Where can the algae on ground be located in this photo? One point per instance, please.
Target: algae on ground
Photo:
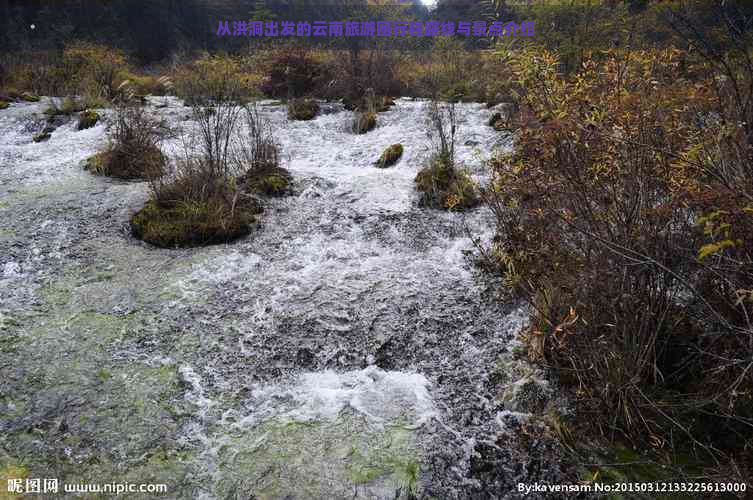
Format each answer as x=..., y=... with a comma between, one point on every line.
x=347, y=456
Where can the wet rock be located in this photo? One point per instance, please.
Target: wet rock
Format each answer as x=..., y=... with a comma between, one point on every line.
x=385, y=355
x=521, y=387
x=305, y=358
x=45, y=134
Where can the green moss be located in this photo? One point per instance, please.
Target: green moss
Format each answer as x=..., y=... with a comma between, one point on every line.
x=9, y=471
x=7, y=322
x=4, y=105
x=266, y=180
x=29, y=97
x=280, y=457
x=104, y=374
x=303, y=109
x=364, y=122
x=273, y=185
x=390, y=156
x=443, y=186
x=193, y=223
x=87, y=119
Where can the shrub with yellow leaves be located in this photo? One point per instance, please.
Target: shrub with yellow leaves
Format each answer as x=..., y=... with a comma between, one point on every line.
x=624, y=217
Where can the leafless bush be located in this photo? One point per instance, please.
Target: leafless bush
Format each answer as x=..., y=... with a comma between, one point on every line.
x=134, y=148
x=205, y=200
x=441, y=184
x=256, y=147
x=442, y=127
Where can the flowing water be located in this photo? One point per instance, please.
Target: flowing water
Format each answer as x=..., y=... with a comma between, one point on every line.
x=347, y=349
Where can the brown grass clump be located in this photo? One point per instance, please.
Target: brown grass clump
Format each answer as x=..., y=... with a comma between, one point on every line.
x=303, y=109
x=441, y=184
x=133, y=152
x=364, y=122
x=185, y=220
x=390, y=156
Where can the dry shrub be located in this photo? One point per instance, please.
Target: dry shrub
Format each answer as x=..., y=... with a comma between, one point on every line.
x=203, y=201
x=207, y=78
x=92, y=72
x=302, y=109
x=624, y=218
x=441, y=184
x=257, y=154
x=451, y=72
x=93, y=69
x=294, y=73
x=358, y=73
x=134, y=150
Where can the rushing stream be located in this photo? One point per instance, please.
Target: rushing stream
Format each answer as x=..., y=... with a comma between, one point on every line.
x=347, y=349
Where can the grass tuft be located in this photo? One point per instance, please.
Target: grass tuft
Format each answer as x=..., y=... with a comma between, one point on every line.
x=303, y=109
x=390, y=156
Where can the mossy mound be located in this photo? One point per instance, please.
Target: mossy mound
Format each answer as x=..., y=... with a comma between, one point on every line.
x=120, y=163
x=443, y=186
x=364, y=122
x=87, y=119
x=189, y=223
x=269, y=181
x=390, y=156
x=303, y=109
x=29, y=97
x=4, y=105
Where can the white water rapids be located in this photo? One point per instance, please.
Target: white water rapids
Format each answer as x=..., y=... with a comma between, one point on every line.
x=343, y=350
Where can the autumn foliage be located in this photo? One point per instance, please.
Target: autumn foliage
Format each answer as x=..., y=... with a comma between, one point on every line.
x=625, y=217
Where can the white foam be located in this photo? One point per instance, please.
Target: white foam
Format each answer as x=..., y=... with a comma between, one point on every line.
x=380, y=396
x=12, y=270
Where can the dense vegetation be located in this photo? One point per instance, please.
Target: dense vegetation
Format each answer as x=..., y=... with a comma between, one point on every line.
x=624, y=214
